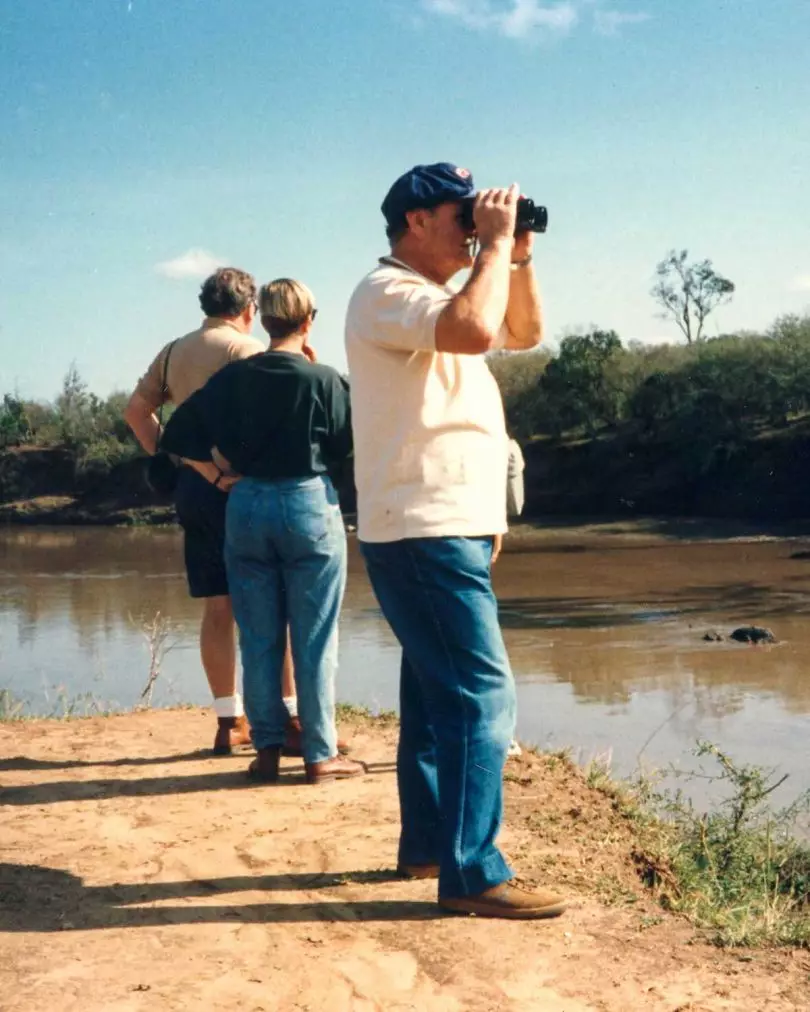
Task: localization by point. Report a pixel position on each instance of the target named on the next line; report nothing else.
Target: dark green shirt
(274, 415)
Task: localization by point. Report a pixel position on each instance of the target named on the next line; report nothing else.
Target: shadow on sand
(35, 898)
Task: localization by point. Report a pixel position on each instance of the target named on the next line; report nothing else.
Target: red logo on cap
(464, 173)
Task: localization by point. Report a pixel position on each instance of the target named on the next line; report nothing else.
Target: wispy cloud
(531, 19)
(610, 22)
(800, 283)
(514, 18)
(194, 263)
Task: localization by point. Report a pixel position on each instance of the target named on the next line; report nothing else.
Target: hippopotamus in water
(753, 634)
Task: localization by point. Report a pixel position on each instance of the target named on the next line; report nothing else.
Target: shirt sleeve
(150, 385)
(339, 443)
(402, 312)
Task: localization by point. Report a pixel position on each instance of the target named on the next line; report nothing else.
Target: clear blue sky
(265, 134)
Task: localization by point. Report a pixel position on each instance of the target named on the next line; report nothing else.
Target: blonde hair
(284, 305)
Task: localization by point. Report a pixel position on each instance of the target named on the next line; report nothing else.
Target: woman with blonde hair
(268, 428)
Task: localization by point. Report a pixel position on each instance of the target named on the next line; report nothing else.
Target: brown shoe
(264, 767)
(418, 870)
(507, 900)
(293, 741)
(336, 768)
(231, 731)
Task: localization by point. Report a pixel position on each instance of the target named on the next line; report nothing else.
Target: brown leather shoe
(264, 767)
(418, 870)
(293, 742)
(231, 731)
(336, 768)
(507, 900)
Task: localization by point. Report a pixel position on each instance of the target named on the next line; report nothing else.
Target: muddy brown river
(604, 626)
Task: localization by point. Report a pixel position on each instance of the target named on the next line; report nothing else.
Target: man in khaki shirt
(228, 299)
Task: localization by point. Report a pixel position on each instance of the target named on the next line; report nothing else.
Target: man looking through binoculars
(430, 467)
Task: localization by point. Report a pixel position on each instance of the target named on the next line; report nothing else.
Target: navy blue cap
(426, 186)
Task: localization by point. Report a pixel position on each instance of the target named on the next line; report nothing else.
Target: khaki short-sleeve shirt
(429, 432)
(194, 359)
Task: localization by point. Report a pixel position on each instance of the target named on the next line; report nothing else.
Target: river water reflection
(604, 634)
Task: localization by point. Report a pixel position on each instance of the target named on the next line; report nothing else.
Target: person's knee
(497, 711)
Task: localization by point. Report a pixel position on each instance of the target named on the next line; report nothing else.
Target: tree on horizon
(688, 293)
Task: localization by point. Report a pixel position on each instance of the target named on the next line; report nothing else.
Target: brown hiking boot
(507, 900)
(336, 768)
(293, 742)
(231, 731)
(418, 870)
(264, 767)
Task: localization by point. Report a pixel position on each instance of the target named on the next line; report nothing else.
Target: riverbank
(760, 479)
(584, 529)
(140, 874)
(77, 511)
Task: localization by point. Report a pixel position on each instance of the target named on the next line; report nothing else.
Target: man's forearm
(486, 292)
(471, 322)
(144, 425)
(524, 310)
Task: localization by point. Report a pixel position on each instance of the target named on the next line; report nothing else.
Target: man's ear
(417, 220)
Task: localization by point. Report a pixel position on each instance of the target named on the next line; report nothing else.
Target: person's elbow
(534, 335)
(526, 335)
(466, 335)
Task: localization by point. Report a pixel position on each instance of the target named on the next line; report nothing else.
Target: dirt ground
(140, 874)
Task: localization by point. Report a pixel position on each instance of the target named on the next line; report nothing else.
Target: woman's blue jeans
(457, 705)
(285, 553)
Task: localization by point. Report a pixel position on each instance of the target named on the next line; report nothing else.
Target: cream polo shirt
(429, 434)
(194, 359)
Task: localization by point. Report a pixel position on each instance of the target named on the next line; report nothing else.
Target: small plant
(156, 631)
(739, 868)
(598, 772)
(563, 757)
(11, 708)
(349, 711)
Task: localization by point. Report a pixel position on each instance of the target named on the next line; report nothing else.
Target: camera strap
(164, 388)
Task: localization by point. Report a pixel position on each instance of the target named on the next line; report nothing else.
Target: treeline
(723, 388)
(90, 428)
(717, 427)
(711, 426)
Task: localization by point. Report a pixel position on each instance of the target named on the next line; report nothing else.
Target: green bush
(98, 457)
(91, 428)
(722, 391)
(738, 869)
(584, 386)
(518, 377)
(15, 425)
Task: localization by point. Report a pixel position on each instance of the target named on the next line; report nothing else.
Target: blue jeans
(457, 705)
(285, 552)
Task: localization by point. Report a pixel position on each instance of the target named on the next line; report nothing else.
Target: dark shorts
(201, 512)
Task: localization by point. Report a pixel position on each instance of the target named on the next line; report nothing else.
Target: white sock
(229, 706)
(291, 702)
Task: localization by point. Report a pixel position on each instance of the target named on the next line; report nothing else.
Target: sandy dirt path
(140, 874)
